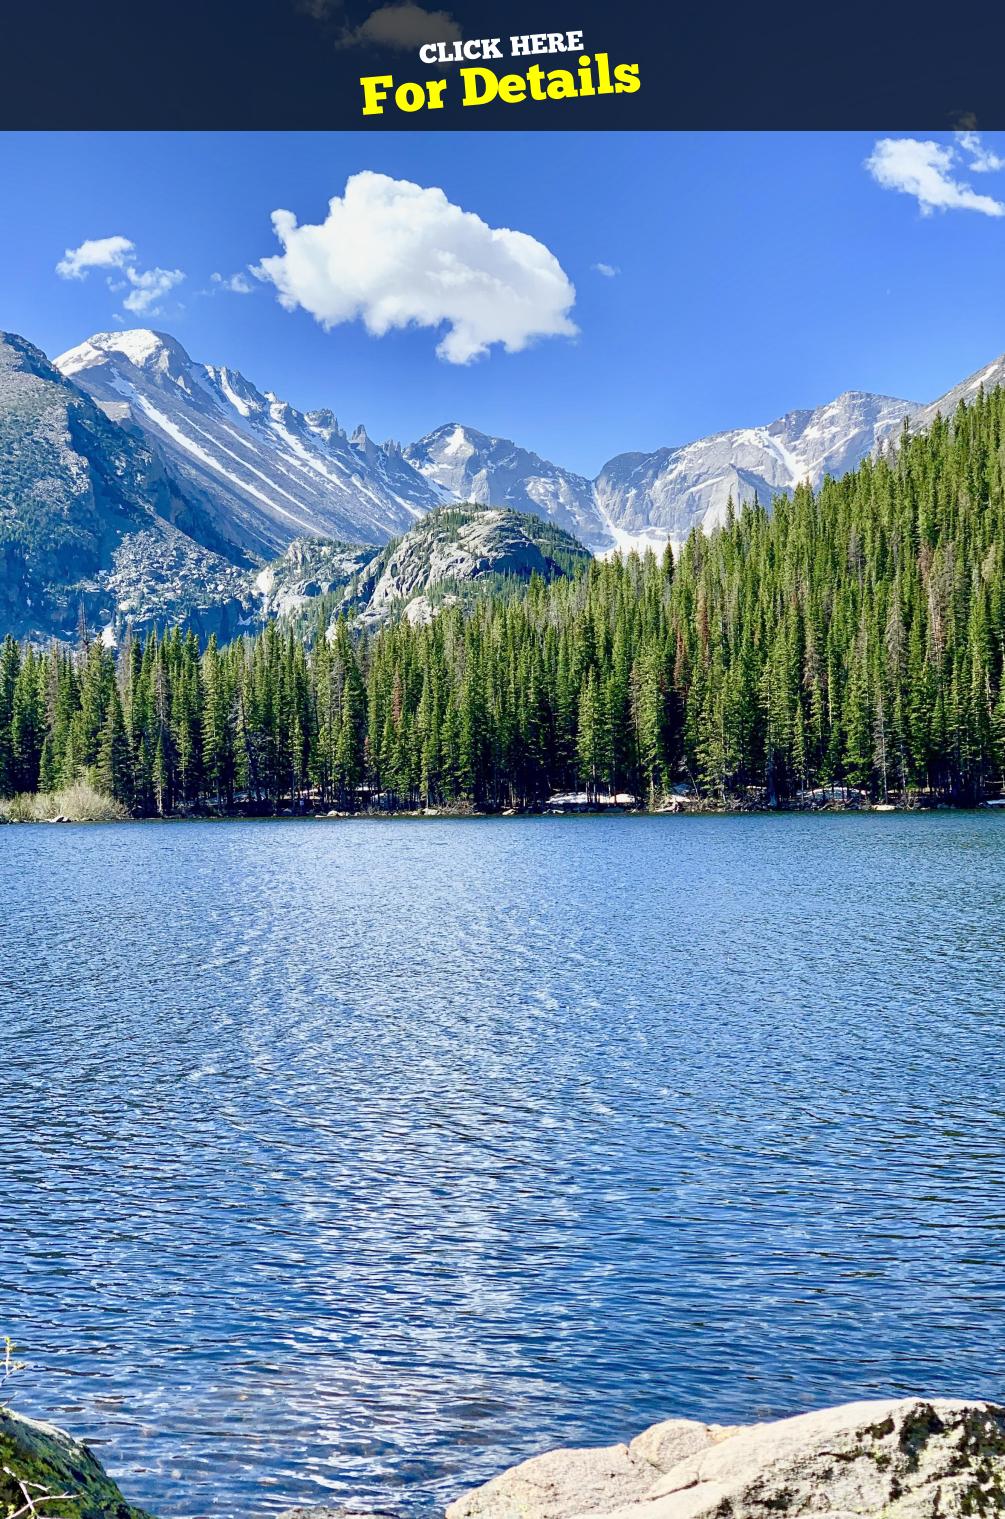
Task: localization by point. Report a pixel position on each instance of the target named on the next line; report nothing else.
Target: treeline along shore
(849, 637)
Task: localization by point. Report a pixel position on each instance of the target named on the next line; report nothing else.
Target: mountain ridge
(137, 484)
(89, 531)
(265, 472)
(476, 466)
(78, 493)
(321, 481)
(986, 379)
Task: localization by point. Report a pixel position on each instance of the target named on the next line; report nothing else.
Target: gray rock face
(310, 567)
(88, 516)
(457, 547)
(160, 576)
(262, 472)
(911, 1458)
(452, 551)
(471, 466)
(665, 494)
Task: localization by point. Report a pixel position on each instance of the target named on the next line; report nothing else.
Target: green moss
(42, 1455)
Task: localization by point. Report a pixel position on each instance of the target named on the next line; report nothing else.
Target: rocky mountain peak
(237, 473)
(473, 466)
(323, 421)
(985, 379)
(264, 471)
(156, 352)
(18, 353)
(364, 444)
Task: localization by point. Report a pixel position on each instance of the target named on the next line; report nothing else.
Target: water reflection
(360, 1160)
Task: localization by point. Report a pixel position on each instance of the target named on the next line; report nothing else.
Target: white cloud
(982, 160)
(148, 287)
(145, 286)
(394, 254)
(405, 25)
(237, 284)
(95, 253)
(926, 170)
(609, 271)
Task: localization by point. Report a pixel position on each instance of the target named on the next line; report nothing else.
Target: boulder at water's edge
(910, 1458)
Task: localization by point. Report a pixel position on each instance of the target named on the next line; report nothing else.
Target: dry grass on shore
(80, 803)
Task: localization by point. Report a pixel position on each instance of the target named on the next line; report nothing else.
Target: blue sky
(755, 273)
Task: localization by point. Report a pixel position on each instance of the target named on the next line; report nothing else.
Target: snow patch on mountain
(264, 472)
(473, 466)
(661, 496)
(985, 379)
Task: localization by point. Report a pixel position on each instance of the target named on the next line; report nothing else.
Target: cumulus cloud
(95, 253)
(609, 271)
(237, 284)
(930, 172)
(145, 286)
(393, 254)
(982, 160)
(403, 25)
(149, 285)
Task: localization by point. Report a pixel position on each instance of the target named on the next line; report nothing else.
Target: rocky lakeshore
(908, 1458)
(47, 1474)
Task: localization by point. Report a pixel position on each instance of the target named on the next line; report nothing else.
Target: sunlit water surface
(360, 1160)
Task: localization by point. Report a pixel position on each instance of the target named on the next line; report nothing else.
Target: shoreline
(469, 814)
(912, 1456)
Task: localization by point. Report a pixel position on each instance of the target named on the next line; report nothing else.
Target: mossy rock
(41, 1454)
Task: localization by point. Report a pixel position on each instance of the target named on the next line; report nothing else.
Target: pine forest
(850, 637)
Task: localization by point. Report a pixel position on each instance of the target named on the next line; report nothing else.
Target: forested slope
(853, 635)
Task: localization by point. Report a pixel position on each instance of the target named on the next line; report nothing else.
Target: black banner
(298, 64)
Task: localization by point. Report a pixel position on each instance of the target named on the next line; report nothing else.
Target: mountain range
(137, 485)
(263, 472)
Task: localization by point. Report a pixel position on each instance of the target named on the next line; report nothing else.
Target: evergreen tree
(851, 635)
(114, 773)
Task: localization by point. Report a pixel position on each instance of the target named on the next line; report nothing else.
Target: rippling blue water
(363, 1159)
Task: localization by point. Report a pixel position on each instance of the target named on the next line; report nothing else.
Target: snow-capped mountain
(94, 524)
(985, 379)
(652, 498)
(263, 472)
(663, 495)
(137, 486)
(90, 518)
(468, 465)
